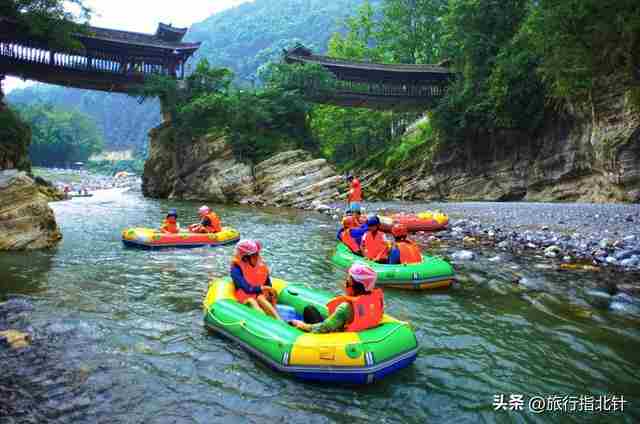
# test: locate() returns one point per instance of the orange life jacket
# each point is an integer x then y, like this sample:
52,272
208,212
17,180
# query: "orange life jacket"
215,226
256,276
355,194
374,247
367,309
409,252
346,238
169,225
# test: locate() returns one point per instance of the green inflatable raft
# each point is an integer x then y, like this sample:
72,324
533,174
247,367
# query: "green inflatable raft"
431,273
341,357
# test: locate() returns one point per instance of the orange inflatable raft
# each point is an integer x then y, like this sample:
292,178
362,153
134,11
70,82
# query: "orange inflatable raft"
423,221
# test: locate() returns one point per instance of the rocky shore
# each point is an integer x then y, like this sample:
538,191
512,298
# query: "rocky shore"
571,235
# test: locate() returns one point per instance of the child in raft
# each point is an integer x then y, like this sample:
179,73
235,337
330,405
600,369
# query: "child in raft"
361,307
250,275
404,251
170,223
209,222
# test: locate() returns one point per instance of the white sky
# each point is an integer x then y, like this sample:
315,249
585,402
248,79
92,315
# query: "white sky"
143,16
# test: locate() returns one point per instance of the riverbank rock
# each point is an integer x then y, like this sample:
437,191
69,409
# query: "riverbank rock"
26,220
207,169
15,339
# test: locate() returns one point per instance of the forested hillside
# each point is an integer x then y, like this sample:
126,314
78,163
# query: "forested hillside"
250,35
242,38
123,122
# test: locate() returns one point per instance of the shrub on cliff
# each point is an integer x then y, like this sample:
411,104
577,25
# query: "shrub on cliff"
15,137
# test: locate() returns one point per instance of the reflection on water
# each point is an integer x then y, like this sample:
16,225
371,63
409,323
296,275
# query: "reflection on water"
119,335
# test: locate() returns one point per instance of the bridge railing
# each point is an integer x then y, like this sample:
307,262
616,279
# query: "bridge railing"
98,63
327,87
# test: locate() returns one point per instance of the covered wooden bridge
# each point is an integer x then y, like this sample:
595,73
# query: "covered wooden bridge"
107,59
373,85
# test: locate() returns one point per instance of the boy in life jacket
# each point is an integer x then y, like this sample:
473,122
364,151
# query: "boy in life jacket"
250,275
209,222
170,224
404,250
355,192
373,245
361,307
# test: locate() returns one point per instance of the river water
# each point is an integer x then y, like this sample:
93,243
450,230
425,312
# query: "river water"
118,334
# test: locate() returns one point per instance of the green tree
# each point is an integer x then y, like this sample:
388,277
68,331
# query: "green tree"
582,42
411,30
52,21
59,136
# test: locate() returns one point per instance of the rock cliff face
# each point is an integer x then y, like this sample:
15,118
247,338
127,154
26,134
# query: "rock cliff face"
206,169
26,220
593,158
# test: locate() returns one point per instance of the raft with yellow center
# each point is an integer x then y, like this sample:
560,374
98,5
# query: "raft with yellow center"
423,221
340,357
152,238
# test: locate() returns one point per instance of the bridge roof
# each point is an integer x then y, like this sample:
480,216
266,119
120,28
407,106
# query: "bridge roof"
369,70
130,38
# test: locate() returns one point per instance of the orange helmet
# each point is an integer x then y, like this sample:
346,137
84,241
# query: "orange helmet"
399,230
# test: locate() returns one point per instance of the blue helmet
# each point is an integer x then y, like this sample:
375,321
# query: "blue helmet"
355,208
374,220
172,212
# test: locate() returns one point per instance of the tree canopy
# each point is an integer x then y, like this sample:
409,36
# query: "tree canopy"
59,136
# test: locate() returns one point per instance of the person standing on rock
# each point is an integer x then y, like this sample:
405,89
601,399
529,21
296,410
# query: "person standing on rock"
354,198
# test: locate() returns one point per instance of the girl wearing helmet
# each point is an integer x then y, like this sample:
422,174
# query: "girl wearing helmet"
209,222
170,224
361,307
250,275
404,250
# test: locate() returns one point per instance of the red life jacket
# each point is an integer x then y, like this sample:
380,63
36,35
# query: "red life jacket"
374,246
367,309
169,225
409,252
346,238
355,194
215,226
256,276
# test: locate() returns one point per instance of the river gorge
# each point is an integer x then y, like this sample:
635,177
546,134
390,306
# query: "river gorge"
118,335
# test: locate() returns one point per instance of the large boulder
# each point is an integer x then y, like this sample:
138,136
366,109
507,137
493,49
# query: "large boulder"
26,220
295,179
206,169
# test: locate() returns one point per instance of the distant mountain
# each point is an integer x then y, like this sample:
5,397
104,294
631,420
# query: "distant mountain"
247,36
241,38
